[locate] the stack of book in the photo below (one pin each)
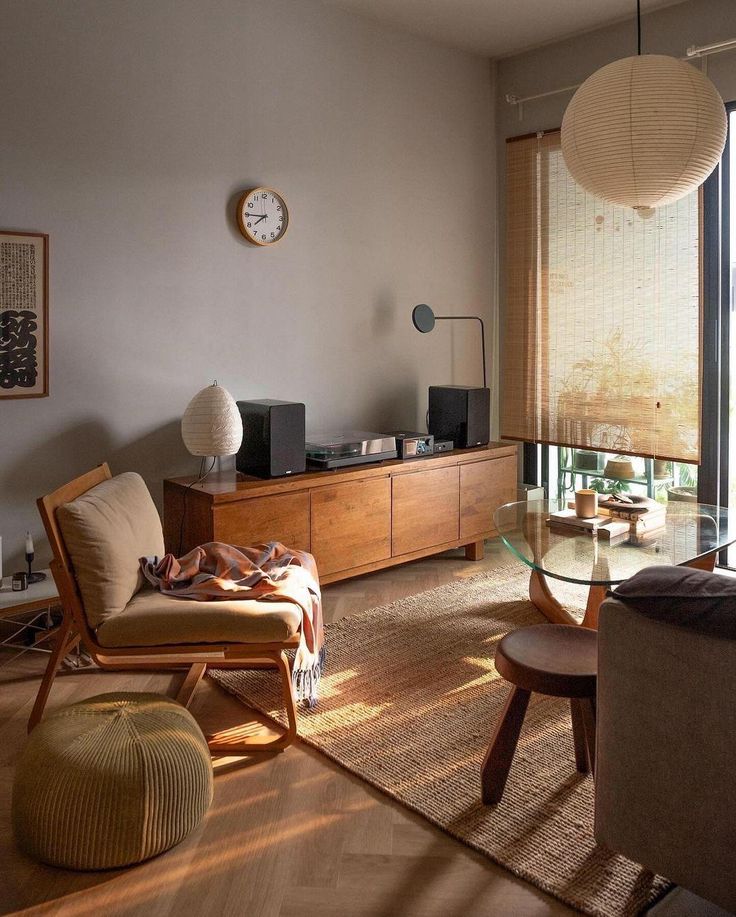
(635, 520)
(604, 525)
(646, 517)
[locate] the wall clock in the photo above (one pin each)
(263, 217)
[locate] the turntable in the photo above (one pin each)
(354, 447)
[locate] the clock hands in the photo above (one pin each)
(261, 216)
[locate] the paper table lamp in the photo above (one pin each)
(211, 425)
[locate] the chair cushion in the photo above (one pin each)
(106, 531)
(154, 619)
(684, 597)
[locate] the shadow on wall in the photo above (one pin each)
(158, 454)
(397, 411)
(383, 317)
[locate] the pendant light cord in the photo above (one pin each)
(638, 27)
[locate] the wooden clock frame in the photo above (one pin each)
(241, 224)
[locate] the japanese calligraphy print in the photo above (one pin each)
(23, 315)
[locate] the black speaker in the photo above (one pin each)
(461, 414)
(273, 438)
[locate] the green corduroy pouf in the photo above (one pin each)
(111, 781)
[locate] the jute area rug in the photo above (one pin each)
(408, 703)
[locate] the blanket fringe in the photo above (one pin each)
(306, 680)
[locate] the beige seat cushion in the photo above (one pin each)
(153, 619)
(106, 531)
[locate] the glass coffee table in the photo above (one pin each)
(692, 536)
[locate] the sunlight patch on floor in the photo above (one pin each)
(490, 674)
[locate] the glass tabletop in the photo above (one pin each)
(686, 532)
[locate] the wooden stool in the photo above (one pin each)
(556, 659)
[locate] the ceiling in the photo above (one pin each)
(499, 27)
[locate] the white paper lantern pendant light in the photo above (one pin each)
(211, 425)
(644, 131)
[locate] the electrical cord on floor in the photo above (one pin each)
(202, 475)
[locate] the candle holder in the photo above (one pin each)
(31, 576)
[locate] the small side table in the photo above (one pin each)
(27, 610)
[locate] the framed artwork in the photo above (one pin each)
(24, 314)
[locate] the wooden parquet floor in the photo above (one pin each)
(288, 835)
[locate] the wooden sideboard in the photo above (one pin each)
(354, 520)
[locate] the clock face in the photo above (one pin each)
(262, 216)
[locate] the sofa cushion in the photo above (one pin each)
(685, 597)
(106, 531)
(154, 619)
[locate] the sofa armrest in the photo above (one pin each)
(665, 791)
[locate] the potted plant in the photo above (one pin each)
(605, 486)
(686, 490)
(587, 460)
(662, 469)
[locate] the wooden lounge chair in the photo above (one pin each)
(151, 631)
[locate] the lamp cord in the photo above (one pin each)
(202, 475)
(638, 27)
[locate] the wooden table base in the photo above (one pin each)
(542, 598)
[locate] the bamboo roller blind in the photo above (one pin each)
(601, 345)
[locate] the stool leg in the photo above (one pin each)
(578, 735)
(497, 762)
(587, 709)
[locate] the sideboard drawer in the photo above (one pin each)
(425, 509)
(351, 524)
(484, 486)
(283, 518)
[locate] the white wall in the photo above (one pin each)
(128, 129)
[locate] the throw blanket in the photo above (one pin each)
(267, 572)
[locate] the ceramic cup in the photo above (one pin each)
(586, 504)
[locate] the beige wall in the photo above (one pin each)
(128, 129)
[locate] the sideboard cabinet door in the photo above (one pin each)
(425, 509)
(484, 486)
(284, 518)
(351, 524)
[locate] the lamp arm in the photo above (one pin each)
(471, 318)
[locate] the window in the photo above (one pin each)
(601, 340)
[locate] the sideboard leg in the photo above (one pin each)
(475, 550)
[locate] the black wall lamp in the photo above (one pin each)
(424, 319)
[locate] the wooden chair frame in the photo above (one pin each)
(75, 629)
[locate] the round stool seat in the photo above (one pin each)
(556, 659)
(111, 781)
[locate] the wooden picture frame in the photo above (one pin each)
(24, 314)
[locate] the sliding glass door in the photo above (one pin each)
(717, 472)
(728, 304)
(562, 470)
